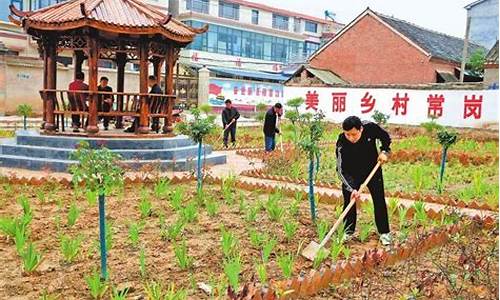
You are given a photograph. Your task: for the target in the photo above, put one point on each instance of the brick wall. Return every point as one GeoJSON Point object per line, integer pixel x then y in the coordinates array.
{"type": "Point", "coordinates": [371, 53]}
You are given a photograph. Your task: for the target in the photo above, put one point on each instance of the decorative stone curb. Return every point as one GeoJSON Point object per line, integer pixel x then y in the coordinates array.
{"type": "Point", "coordinates": [371, 260]}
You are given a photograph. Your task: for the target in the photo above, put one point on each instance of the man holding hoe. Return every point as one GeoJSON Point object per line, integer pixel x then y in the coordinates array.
{"type": "Point", "coordinates": [357, 155]}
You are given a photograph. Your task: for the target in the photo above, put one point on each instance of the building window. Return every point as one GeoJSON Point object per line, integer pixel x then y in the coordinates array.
{"type": "Point", "coordinates": [280, 22]}
{"type": "Point", "coordinates": [229, 41]}
{"type": "Point", "coordinates": [255, 17]}
{"type": "Point", "coordinates": [309, 48]}
{"type": "Point", "coordinates": [311, 27]}
{"type": "Point", "coordinates": [229, 10]}
{"type": "Point", "coordinates": [296, 25]}
{"type": "Point", "coordinates": [199, 6]}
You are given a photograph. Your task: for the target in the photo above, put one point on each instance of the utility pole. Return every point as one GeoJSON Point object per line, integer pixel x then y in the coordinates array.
{"type": "Point", "coordinates": [464, 52]}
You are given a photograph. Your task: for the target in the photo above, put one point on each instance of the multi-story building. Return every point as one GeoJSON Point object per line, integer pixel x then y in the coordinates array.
{"type": "Point", "coordinates": [250, 45]}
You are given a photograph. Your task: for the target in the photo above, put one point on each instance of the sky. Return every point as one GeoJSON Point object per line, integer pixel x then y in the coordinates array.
{"type": "Point", "coordinates": [446, 16]}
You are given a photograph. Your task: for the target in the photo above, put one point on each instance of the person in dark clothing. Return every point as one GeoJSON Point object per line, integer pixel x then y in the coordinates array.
{"type": "Point", "coordinates": [104, 101]}
{"type": "Point", "coordinates": [155, 89]}
{"type": "Point", "coordinates": [229, 117]}
{"type": "Point", "coordinates": [154, 102]}
{"type": "Point", "coordinates": [357, 155]}
{"type": "Point", "coordinates": [77, 101]}
{"type": "Point", "coordinates": [270, 128]}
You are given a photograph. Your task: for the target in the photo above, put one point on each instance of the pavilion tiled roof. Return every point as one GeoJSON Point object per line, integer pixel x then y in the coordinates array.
{"type": "Point", "coordinates": [117, 15]}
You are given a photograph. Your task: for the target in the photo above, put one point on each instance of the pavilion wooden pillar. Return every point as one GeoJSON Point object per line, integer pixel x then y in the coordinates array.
{"type": "Point", "coordinates": [121, 61]}
{"type": "Point", "coordinates": [171, 58]}
{"type": "Point", "coordinates": [79, 57]}
{"type": "Point", "coordinates": [51, 82]}
{"type": "Point", "coordinates": [44, 98]}
{"type": "Point", "coordinates": [143, 86]}
{"type": "Point", "coordinates": [93, 54]}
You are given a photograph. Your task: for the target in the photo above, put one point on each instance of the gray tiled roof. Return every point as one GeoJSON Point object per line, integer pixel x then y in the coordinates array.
{"type": "Point", "coordinates": [492, 56]}
{"type": "Point", "coordinates": [437, 44]}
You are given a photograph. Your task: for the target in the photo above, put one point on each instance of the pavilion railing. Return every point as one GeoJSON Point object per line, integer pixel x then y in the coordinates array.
{"type": "Point", "coordinates": [68, 103]}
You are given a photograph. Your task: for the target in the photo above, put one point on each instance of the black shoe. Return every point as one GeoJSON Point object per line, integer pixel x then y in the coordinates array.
{"type": "Point", "coordinates": [130, 129]}
{"type": "Point", "coordinates": [105, 128]}
{"type": "Point", "coordinates": [76, 130]}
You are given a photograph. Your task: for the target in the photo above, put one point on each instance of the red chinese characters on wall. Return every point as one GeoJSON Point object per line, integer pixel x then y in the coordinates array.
{"type": "Point", "coordinates": [435, 105]}
{"type": "Point", "coordinates": [473, 106]}
{"type": "Point", "coordinates": [367, 103]}
{"type": "Point", "coordinates": [338, 102]}
{"type": "Point", "coordinates": [400, 103]}
{"type": "Point", "coordinates": [312, 100]}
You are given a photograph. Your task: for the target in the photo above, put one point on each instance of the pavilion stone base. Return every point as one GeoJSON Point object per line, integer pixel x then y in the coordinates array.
{"type": "Point", "coordinates": [30, 150]}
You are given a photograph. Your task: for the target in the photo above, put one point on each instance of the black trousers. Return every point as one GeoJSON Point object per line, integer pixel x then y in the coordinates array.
{"type": "Point", "coordinates": [376, 187]}
{"type": "Point", "coordinates": [105, 107]}
{"type": "Point", "coordinates": [231, 130]}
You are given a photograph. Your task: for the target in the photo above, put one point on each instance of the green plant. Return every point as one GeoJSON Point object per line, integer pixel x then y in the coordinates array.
{"type": "Point", "coordinates": [197, 129]}
{"type": "Point", "coordinates": [293, 209]}
{"type": "Point", "coordinates": [154, 290]}
{"type": "Point", "coordinates": [142, 262]}
{"type": "Point", "coordinates": [261, 272]}
{"type": "Point", "coordinates": [31, 258]}
{"type": "Point", "coordinates": [380, 118]}
{"type": "Point", "coordinates": [134, 230]}
{"type": "Point", "coordinates": [420, 213]}
{"type": "Point", "coordinates": [8, 226]}
{"type": "Point", "coordinates": [212, 207]}
{"type": "Point", "coordinates": [446, 139]}
{"type": "Point", "coordinates": [290, 228]}
{"type": "Point", "coordinates": [161, 188]}
{"type": "Point", "coordinates": [319, 258]}
{"type": "Point", "coordinates": [70, 247]}
{"type": "Point", "coordinates": [145, 205]}
{"type": "Point", "coordinates": [73, 214]}
{"type": "Point", "coordinates": [100, 171]}
{"type": "Point", "coordinates": [285, 262]}
{"type": "Point", "coordinates": [432, 125]}
{"type": "Point", "coordinates": [20, 238]}
{"type": "Point", "coordinates": [476, 62]}
{"type": "Point", "coordinates": [47, 296]}
{"type": "Point", "coordinates": [273, 208]}
{"type": "Point", "coordinates": [365, 231]}
{"type": "Point", "coordinates": [91, 197]}
{"type": "Point", "coordinates": [173, 294]}
{"type": "Point", "coordinates": [229, 242]}
{"type": "Point", "coordinates": [25, 205]}
{"type": "Point", "coordinates": [322, 228]}
{"type": "Point", "coordinates": [402, 215]}
{"type": "Point", "coordinates": [335, 249]}
{"type": "Point", "coordinates": [24, 110]}
{"type": "Point", "coordinates": [252, 213]}
{"type": "Point", "coordinates": [176, 198]}
{"type": "Point", "coordinates": [181, 253]}
{"type": "Point", "coordinates": [40, 195]}
{"type": "Point", "coordinates": [256, 238]}
{"type": "Point", "coordinates": [267, 249]}
{"type": "Point", "coordinates": [171, 232]}
{"type": "Point", "coordinates": [242, 203]}
{"type": "Point", "coordinates": [190, 212]}
{"type": "Point", "coordinates": [96, 286]}
{"type": "Point", "coordinates": [232, 269]}
{"type": "Point", "coordinates": [119, 294]}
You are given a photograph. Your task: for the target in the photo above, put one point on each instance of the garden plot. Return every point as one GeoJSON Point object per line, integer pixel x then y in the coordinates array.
{"type": "Point", "coordinates": [168, 235]}
{"type": "Point", "coordinates": [467, 183]}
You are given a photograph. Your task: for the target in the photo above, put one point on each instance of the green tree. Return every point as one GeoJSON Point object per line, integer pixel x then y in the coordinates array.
{"type": "Point", "coordinates": [476, 62]}
{"type": "Point", "coordinates": [197, 129]}
{"type": "Point", "coordinates": [99, 170]}
{"type": "Point", "coordinates": [308, 130]}
{"type": "Point", "coordinates": [26, 111]}
{"type": "Point", "coordinates": [261, 111]}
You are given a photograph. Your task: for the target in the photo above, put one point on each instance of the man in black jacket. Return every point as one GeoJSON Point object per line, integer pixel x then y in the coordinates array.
{"type": "Point", "coordinates": [104, 101]}
{"type": "Point", "coordinates": [357, 155]}
{"type": "Point", "coordinates": [229, 117]}
{"type": "Point", "coordinates": [270, 128]}
{"type": "Point", "coordinates": [152, 102]}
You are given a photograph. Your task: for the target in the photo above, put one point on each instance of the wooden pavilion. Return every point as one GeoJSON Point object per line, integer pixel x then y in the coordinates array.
{"type": "Point", "coordinates": [119, 30]}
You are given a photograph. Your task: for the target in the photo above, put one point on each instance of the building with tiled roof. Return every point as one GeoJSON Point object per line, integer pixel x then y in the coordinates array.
{"type": "Point", "coordinates": [378, 49]}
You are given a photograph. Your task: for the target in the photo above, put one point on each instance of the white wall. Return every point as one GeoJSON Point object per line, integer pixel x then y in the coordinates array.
{"type": "Point", "coordinates": [417, 105]}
